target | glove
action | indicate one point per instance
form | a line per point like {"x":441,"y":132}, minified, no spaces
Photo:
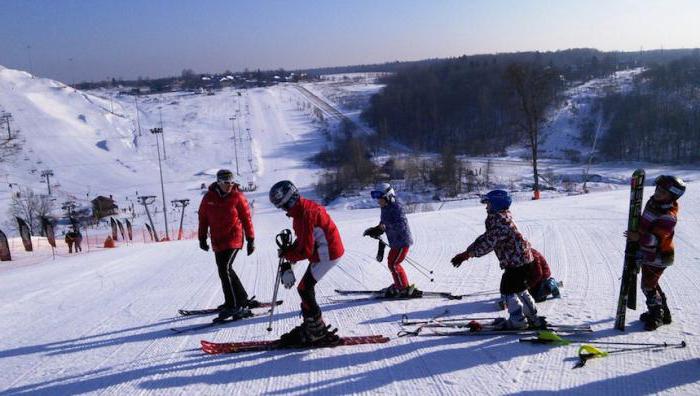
{"x":288,"y":279}
{"x":250,"y":246}
{"x":459,"y":259}
{"x":373,"y":232}
{"x":203,"y":244}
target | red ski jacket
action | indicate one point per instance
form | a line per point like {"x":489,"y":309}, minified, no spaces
{"x":317,"y":236}
{"x":227,"y":216}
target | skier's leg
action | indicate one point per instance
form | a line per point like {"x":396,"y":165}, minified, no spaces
{"x":307,"y":292}
{"x":239,"y":293}
{"x":314,"y":328}
{"x":650,"y":282}
{"x":222,"y":259}
{"x":512,"y":283}
{"x":664,"y":305}
{"x":396,"y":256}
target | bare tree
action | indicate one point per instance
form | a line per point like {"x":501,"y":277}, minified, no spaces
{"x":31,"y":207}
{"x":536,"y":88}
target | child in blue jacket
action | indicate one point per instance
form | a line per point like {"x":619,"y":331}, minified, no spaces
{"x":394,"y":223}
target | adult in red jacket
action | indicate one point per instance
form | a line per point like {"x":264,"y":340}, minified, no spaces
{"x":225,"y":214}
{"x":318,"y":240}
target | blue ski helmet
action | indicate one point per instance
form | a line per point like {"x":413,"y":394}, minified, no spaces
{"x":499,"y":200}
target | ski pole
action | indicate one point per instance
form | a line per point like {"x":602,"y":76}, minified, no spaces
{"x":409,"y":260}
{"x":587,"y":352}
{"x":283,"y":240}
{"x":274,"y":294}
{"x":416,"y":265}
{"x":547,"y":337}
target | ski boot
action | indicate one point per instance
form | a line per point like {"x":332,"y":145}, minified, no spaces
{"x":664,"y":306}
{"x":252,"y":303}
{"x":390,"y":292}
{"x":536,"y":322}
{"x":312,"y":331}
{"x":512,"y":323}
{"x":410,"y":292}
{"x":553,"y":287}
{"x":653,"y":319}
{"x":230,"y":314}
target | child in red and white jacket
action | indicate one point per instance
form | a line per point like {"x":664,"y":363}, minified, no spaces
{"x":656,"y":250}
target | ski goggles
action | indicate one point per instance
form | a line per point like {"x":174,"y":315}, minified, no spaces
{"x":377,"y":194}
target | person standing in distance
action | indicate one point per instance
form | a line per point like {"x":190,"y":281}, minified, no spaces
{"x":318,"y":241}
{"x":225,"y":214}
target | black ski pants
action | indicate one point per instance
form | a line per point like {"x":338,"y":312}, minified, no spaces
{"x":234,"y":293}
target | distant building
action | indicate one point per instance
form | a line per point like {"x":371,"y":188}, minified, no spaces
{"x":103,"y":206}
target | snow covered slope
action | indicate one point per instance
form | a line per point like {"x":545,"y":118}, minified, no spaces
{"x":96,"y":145}
{"x":99,"y":323}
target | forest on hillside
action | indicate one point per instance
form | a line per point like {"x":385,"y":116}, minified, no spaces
{"x":659,"y":119}
{"x":472,"y":103}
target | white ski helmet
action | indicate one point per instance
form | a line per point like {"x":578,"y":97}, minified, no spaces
{"x":384,"y":190}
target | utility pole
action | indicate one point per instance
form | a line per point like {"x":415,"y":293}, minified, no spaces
{"x":235,"y":146}
{"x":136,"y":101}
{"x":162,"y":135}
{"x":146,"y":200}
{"x":7,"y":117}
{"x":180,"y":203}
{"x":157,"y":131}
{"x":47,"y":173}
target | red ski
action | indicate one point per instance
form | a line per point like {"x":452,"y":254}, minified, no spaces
{"x":252,"y":346}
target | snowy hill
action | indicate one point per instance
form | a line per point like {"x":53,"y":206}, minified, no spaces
{"x":96,"y":144}
{"x":99,"y":322}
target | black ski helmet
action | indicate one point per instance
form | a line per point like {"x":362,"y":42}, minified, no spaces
{"x":225,"y":175}
{"x":673,"y":184}
{"x":284,"y":194}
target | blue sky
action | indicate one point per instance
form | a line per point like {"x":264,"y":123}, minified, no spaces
{"x":96,"y":39}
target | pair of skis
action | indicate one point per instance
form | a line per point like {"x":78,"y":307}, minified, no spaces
{"x":628,"y":285}
{"x":210,"y":311}
{"x":379,"y":295}
{"x":254,"y":346}
{"x":438,"y":325}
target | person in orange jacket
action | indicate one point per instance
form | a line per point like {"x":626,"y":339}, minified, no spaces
{"x":224,"y":213}
{"x":656,"y":251}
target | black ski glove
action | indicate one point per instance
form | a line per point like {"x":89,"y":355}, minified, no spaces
{"x":373,"y":232}
{"x":203,"y":245}
{"x":250,"y":246}
{"x":459,"y":259}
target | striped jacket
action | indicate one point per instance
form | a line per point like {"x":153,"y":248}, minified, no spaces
{"x":656,"y":229}
{"x":503,"y":238}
